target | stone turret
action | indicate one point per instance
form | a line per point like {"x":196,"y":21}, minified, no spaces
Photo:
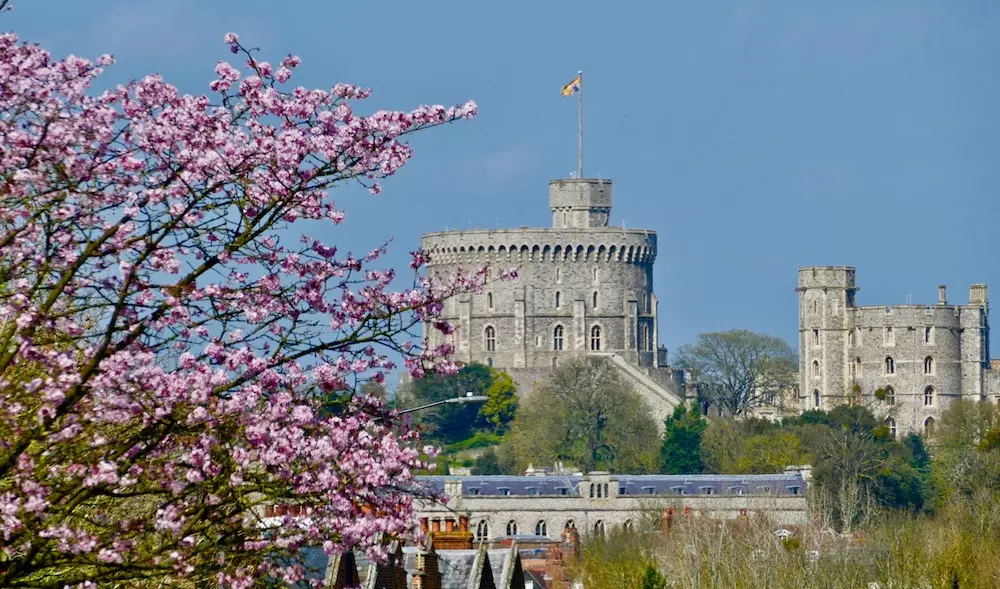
{"x":580,"y":203}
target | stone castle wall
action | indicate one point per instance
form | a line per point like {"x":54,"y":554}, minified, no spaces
{"x":561,"y":275}
{"x":583,"y":288}
{"x":925,"y":356}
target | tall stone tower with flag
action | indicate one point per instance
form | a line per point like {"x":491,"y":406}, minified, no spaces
{"x":584,"y":288}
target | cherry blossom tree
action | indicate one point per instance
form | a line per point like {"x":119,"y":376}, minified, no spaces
{"x":177,"y":349}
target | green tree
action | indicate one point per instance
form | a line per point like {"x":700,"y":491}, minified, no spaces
{"x":652,"y":579}
{"x":739,"y":369}
{"x":501,"y":407}
{"x":586,"y":416}
{"x":488,"y":463}
{"x":680,"y":452}
{"x":449,"y":423}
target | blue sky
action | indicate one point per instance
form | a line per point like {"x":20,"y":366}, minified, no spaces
{"x":753,"y":137}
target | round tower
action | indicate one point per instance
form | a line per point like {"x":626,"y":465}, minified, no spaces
{"x":583,"y":288}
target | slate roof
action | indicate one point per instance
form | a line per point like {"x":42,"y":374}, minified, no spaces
{"x":775,"y":484}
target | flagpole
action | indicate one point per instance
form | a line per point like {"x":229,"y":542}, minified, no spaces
{"x":580,"y":163}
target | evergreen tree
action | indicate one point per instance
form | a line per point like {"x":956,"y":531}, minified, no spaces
{"x":680,"y":452}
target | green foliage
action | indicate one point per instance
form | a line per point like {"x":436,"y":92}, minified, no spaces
{"x":477,"y":440}
{"x":586,"y":416}
{"x":450,"y":423}
{"x":488,"y":463}
{"x":680,"y":452}
{"x":652,"y":579}
{"x":501,"y":407}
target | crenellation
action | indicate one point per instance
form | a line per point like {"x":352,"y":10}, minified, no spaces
{"x":922,"y":355}
{"x":583,"y":288}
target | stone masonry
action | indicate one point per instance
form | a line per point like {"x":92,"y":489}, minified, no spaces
{"x":922,"y":356}
{"x":584,"y":288}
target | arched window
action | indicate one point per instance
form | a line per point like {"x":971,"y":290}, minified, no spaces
{"x":557,"y":338}
{"x":929,"y":427}
{"x":595,"y":338}
{"x":891,"y":424}
{"x":512,"y":528}
{"x":570,"y":525}
{"x":591,"y":490}
{"x":489,"y":301}
{"x":558,"y":299}
{"x":889,"y":339}
{"x":599,"y":528}
{"x":541,"y":529}
{"x":856,"y":368}
{"x":628,"y":526}
{"x":483,"y":530}
{"x":816,"y":337}
{"x":815,"y":368}
{"x":647,"y":342}
{"x":890,"y":365}
{"x":489,"y":362}
{"x":599,"y":488}
{"x":929,"y":397}
{"x":491,"y":339}
{"x":595,"y":299}
{"x":890,"y":396}
{"x":928,"y":365}
{"x":851,"y":339}
{"x":816,"y":398}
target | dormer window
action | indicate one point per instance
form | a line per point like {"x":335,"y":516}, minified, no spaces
{"x":503,"y":491}
{"x":649,"y":490}
{"x":677,"y":490}
{"x":794,"y":490}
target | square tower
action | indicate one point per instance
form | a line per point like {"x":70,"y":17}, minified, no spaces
{"x":825,"y":295}
{"x":580,"y":203}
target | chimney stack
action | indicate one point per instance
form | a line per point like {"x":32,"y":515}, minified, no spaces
{"x":425,"y":570}
{"x":977,"y":294}
{"x":943,"y":294}
{"x":667,"y":520}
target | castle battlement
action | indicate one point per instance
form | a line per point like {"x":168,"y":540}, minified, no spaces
{"x":921,"y":356}
{"x":602,"y":244}
{"x":583,"y":289}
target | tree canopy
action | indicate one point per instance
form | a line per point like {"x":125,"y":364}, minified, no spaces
{"x":739,"y":369}
{"x":178,"y":347}
{"x":587,"y":416}
{"x":680,"y":452}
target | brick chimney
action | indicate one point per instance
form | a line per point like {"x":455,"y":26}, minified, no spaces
{"x":452,"y":539}
{"x":667,"y":520}
{"x":425,"y":570}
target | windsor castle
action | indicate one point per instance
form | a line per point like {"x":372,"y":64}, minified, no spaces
{"x":585,"y":288}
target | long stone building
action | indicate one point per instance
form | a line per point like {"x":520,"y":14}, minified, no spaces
{"x":584,"y":288}
{"x":922,"y":356}
{"x":598,"y":502}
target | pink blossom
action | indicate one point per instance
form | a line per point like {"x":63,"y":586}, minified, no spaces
{"x":145,"y":231}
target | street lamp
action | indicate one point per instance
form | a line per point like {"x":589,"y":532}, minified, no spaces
{"x":468,"y":398}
